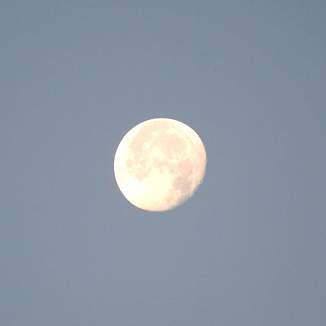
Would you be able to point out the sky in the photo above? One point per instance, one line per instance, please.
(248, 248)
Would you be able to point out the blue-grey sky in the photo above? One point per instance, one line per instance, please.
(248, 248)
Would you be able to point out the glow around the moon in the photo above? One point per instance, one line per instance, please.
(159, 164)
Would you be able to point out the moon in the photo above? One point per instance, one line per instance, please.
(159, 164)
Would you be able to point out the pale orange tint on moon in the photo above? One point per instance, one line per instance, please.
(159, 164)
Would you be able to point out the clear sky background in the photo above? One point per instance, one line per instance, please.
(248, 248)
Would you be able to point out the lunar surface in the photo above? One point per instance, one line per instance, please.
(159, 164)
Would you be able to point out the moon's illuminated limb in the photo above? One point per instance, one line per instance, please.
(159, 164)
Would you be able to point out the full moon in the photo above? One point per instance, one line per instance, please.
(159, 164)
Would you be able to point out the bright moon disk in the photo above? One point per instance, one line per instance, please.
(159, 164)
